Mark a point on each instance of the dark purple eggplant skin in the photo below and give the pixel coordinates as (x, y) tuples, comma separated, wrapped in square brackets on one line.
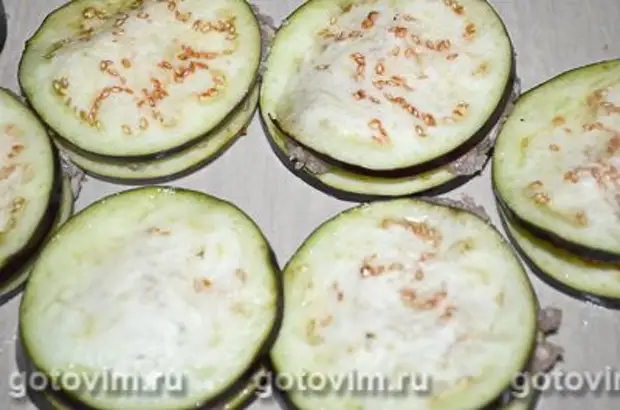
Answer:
[(602, 301), (447, 158), (3, 26)]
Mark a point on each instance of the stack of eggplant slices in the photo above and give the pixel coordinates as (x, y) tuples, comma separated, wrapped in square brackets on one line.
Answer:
[(380, 98), (556, 176), (36, 197), (144, 91)]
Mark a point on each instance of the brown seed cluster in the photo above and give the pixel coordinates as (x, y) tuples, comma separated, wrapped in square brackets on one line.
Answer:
[(421, 230), (370, 268), (363, 95), (360, 61), (461, 110), (542, 198), (571, 176), (60, 86), (581, 219), (370, 20), (470, 31), (455, 6), (558, 121), (381, 135), (399, 31), (438, 45), (410, 299), (338, 291), (201, 285)]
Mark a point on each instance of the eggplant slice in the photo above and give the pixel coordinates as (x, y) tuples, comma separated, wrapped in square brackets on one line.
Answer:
[(134, 79), (176, 165), (30, 184), (555, 168), (8, 289), (149, 279), (593, 281), (406, 289), (389, 86)]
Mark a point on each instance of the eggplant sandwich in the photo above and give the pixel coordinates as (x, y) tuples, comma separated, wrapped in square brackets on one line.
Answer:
[(378, 98), (144, 90), (171, 303), (556, 179), (406, 304), (34, 199)]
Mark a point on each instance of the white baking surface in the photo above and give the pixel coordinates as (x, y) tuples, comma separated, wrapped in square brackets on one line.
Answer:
[(550, 36)]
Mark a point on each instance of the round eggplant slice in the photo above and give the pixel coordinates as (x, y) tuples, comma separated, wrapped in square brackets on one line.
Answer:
[(350, 186), (30, 184), (556, 161), (150, 279), (389, 86), (65, 211), (137, 78), (596, 282), (418, 294), (176, 165)]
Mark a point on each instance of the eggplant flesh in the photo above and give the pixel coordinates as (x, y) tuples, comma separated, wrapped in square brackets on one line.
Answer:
[(168, 254), (361, 86), (135, 80), (386, 280), (174, 166), (30, 184), (556, 161)]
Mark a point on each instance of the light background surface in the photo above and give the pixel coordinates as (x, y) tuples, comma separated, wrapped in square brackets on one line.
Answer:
[(550, 36)]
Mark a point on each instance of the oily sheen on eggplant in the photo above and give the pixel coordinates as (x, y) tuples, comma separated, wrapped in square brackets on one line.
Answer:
[(149, 279), (172, 166), (593, 281), (135, 79), (12, 286), (349, 186), (555, 168), (30, 184), (388, 87), (406, 289)]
